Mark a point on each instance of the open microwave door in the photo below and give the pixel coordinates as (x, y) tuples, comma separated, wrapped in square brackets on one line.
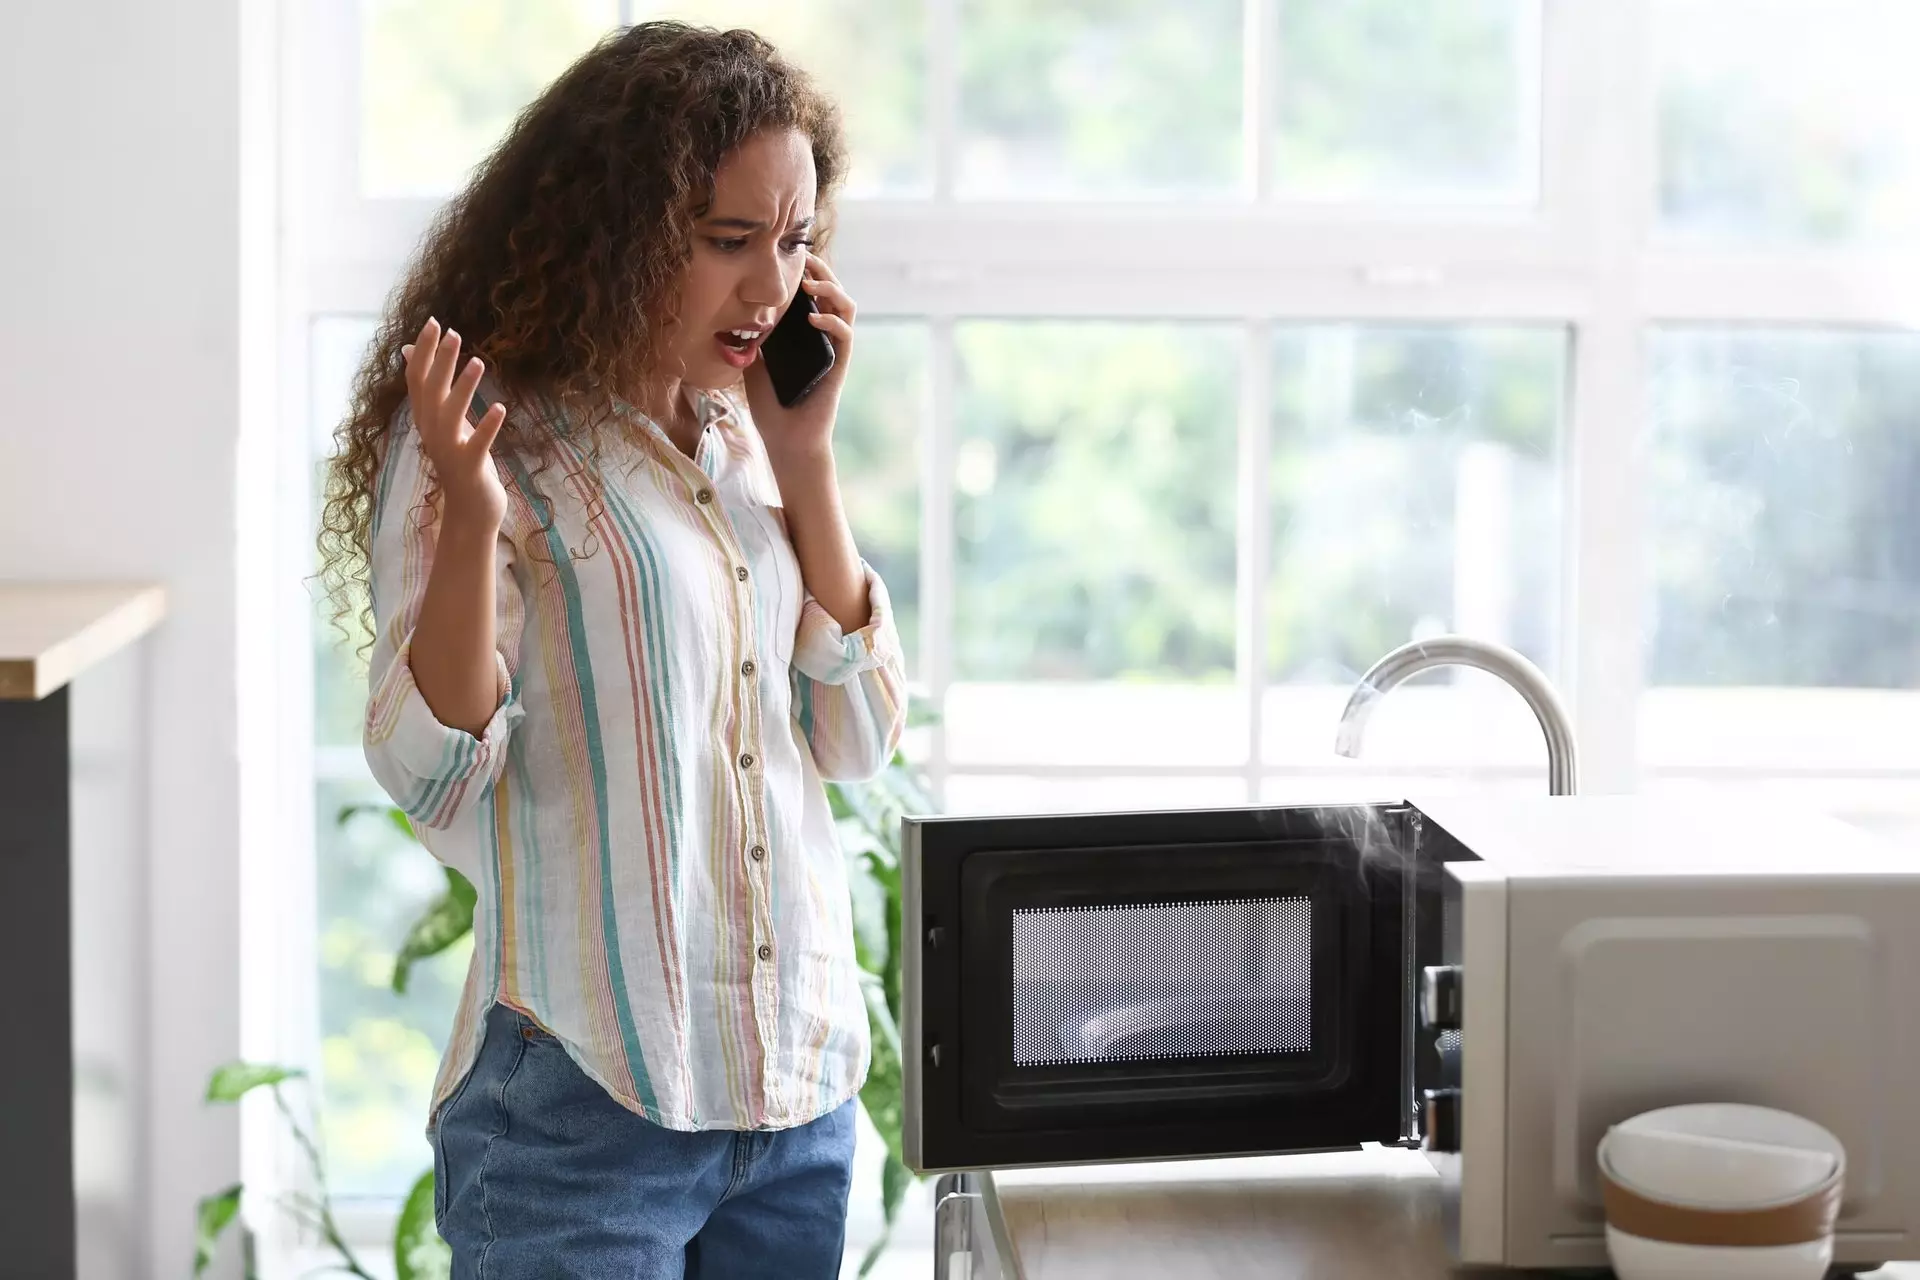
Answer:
[(1118, 987)]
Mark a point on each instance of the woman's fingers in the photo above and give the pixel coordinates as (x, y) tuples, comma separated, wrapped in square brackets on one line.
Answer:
[(440, 375), (440, 398), (830, 297), (834, 327), (818, 266), (489, 426), (425, 344), (469, 382)]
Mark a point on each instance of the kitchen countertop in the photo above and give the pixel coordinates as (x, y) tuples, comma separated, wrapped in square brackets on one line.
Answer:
[(52, 632), (1369, 1215)]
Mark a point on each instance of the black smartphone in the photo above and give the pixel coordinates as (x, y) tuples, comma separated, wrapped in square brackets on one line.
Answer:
[(797, 355)]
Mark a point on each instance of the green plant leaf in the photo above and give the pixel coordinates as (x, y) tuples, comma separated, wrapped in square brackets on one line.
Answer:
[(237, 1079), (856, 838), (447, 919), (216, 1212), (895, 1178), (881, 1095), (878, 1247), (393, 815), (888, 874), (872, 946), (860, 802), (906, 789), (418, 1251)]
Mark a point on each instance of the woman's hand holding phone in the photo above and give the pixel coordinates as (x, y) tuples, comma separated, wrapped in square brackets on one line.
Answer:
[(805, 429)]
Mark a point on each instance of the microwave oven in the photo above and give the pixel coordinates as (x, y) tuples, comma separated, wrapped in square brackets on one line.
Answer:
[(1492, 980)]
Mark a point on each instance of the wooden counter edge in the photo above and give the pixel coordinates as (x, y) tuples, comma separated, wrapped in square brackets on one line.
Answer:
[(127, 612)]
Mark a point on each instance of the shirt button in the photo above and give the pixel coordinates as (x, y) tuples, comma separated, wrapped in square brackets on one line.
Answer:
[(746, 760), (703, 497), (741, 573), (747, 668), (766, 952), (758, 852)]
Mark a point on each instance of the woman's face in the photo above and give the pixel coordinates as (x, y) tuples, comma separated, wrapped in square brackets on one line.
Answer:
[(749, 249)]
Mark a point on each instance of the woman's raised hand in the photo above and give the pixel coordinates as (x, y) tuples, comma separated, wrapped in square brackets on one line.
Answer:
[(459, 451)]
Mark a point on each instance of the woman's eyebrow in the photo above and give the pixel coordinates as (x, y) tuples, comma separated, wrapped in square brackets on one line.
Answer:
[(749, 224)]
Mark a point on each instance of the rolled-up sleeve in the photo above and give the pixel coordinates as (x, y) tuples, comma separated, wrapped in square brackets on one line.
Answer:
[(850, 687), (434, 773)]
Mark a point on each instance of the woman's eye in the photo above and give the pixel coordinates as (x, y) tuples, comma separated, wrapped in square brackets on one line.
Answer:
[(731, 245), (794, 246)]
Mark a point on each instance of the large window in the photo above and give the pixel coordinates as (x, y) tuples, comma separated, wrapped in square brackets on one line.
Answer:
[(1209, 352)]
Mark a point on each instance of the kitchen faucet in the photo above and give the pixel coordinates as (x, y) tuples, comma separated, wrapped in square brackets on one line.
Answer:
[(1463, 651)]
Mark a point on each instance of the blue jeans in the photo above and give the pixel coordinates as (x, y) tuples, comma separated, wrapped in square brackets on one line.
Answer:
[(539, 1173)]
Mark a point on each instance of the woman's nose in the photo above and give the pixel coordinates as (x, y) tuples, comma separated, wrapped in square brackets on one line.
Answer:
[(766, 285)]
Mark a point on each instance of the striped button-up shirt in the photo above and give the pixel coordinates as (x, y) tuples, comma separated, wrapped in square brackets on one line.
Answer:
[(659, 883)]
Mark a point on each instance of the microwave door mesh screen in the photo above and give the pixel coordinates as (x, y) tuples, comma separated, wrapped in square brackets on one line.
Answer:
[(1162, 980)]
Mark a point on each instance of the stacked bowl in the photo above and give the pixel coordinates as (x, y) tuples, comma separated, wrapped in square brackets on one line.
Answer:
[(1719, 1191)]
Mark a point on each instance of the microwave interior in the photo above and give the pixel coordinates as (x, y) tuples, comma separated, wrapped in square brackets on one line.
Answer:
[(1138, 986)]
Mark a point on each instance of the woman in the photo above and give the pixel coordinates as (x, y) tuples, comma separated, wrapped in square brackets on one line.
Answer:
[(621, 632)]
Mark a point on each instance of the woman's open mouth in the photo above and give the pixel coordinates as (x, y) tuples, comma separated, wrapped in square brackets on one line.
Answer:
[(739, 346)]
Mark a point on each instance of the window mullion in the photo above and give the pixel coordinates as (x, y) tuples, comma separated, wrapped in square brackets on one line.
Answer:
[(1254, 525), (937, 550), (943, 93), (1603, 62), (1260, 71)]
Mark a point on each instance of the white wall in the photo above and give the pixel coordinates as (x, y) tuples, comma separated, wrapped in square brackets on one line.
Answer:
[(120, 411)]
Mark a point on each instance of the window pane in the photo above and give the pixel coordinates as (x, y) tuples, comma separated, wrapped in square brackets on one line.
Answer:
[(1786, 509), (1784, 554), (1780, 120), (1416, 490), (870, 55), (1094, 544), (379, 1050), (434, 107), (877, 442), (440, 81), (1093, 501), (1408, 99), (1112, 98)]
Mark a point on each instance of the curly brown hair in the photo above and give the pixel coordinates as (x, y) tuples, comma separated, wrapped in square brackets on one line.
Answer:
[(560, 262)]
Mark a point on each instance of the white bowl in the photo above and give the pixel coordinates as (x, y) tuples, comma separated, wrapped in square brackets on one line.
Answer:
[(1721, 1155), (1739, 1122), (1704, 1172), (1637, 1258)]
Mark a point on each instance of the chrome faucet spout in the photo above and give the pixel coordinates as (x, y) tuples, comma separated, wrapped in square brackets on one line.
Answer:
[(1462, 651)]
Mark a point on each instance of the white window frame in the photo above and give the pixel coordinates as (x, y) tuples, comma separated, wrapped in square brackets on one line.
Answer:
[(1587, 256)]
